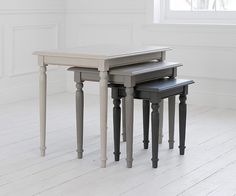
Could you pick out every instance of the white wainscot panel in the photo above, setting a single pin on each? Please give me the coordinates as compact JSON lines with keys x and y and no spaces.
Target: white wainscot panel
{"x":26,"y":40}
{"x":205,"y":51}
{"x":1,"y":52}
{"x":91,"y":34}
{"x":208,"y":55}
{"x":188,"y":35}
{"x":103,"y":17}
{"x":27,"y":5}
{"x":207,"y":62}
{"x":106,"y":5}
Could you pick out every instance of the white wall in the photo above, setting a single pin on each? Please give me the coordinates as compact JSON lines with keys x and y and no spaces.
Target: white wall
{"x":26,"y":26}
{"x":103,"y":21}
{"x":207,"y":51}
{"x":208,"y":55}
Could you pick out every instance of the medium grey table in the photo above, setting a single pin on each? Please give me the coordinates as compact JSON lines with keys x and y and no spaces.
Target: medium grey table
{"x":102,"y":57}
{"x":128,"y":76}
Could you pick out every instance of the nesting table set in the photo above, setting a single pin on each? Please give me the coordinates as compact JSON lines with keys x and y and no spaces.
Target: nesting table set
{"x":131,"y":72}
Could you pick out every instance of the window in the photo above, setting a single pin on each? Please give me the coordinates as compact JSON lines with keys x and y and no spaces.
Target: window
{"x":195,"y":11}
{"x":203,"y":5}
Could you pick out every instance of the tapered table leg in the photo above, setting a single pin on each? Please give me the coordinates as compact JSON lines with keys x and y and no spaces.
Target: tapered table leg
{"x":79,"y":118}
{"x":123,"y":120}
{"x":103,"y":116}
{"x":171,"y":113}
{"x":42,"y":106}
{"x":161,"y":112}
{"x":129,"y":101}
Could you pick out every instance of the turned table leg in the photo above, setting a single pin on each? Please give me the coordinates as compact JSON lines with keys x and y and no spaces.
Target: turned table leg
{"x":123,"y":120}
{"x":116,"y":122}
{"x":161,"y":112}
{"x":79,"y":117}
{"x":182,"y":122}
{"x":155,"y":133}
{"x":146,"y":111}
{"x":103,"y":115}
{"x":42,"y":106}
{"x":129,"y":102}
{"x":171,"y":113}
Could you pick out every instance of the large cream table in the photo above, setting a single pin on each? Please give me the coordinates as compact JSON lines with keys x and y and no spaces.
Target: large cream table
{"x":102,"y":57}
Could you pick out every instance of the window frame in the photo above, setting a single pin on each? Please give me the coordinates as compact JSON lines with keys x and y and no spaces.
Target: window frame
{"x":163,"y":14}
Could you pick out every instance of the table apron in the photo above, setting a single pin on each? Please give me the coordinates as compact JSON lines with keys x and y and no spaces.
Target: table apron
{"x":77,"y":62}
{"x":121,"y":61}
{"x":126,"y":80}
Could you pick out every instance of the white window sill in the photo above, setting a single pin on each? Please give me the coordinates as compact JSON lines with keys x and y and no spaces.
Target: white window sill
{"x":185,"y":24}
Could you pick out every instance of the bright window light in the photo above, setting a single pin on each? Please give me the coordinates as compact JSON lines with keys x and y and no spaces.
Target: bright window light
{"x":203,"y":5}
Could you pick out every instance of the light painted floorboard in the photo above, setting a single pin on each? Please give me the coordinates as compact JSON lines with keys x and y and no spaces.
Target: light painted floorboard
{"x":208,"y":168}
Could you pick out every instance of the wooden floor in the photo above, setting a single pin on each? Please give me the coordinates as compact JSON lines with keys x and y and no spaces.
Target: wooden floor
{"x":208,"y":168}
